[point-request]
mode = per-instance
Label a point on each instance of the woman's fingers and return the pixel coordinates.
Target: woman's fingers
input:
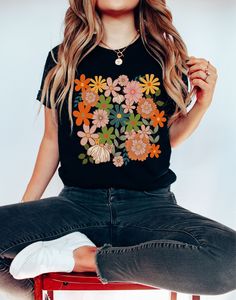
(197, 66)
(197, 74)
(203, 75)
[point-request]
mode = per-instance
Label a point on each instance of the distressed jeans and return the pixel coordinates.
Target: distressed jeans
(143, 237)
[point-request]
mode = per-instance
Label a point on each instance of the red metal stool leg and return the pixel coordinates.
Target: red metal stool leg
(60, 281)
(173, 296)
(38, 291)
(50, 295)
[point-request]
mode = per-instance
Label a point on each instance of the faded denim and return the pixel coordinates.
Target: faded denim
(143, 237)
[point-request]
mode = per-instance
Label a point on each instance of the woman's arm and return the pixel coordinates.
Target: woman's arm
(183, 127)
(46, 162)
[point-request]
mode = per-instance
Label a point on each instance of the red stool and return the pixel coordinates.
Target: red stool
(83, 281)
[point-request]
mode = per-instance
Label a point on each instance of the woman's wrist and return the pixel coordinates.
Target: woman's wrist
(201, 107)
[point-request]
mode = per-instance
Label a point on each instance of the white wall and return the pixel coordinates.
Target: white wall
(205, 163)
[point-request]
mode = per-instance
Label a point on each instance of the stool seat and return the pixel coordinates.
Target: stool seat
(85, 281)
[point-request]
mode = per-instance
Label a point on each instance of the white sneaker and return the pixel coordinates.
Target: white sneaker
(48, 256)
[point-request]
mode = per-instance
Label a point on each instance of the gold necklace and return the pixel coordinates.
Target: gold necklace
(119, 60)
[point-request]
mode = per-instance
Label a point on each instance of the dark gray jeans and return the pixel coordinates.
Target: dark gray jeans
(145, 237)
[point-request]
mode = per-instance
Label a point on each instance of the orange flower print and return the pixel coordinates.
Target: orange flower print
(154, 150)
(133, 91)
(146, 107)
(82, 83)
(150, 84)
(90, 97)
(98, 84)
(82, 115)
(137, 147)
(157, 118)
(105, 140)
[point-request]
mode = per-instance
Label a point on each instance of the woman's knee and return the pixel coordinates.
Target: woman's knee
(222, 262)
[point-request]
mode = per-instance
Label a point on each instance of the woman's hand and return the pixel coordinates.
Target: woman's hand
(204, 84)
(197, 75)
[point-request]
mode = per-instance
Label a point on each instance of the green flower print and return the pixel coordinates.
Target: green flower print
(106, 135)
(124, 123)
(104, 103)
(134, 122)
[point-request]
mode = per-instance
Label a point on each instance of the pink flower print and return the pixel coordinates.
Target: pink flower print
(145, 131)
(88, 135)
(99, 153)
(128, 106)
(146, 107)
(100, 117)
(118, 161)
(133, 91)
(90, 97)
(123, 80)
(118, 99)
(138, 148)
(109, 147)
(111, 87)
(130, 134)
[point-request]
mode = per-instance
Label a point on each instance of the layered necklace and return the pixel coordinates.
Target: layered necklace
(119, 53)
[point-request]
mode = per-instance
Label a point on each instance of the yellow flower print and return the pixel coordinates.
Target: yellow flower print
(135, 140)
(150, 84)
(97, 85)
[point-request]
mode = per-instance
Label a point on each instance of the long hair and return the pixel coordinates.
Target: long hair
(161, 39)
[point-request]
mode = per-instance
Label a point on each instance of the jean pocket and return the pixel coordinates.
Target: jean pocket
(166, 195)
(159, 192)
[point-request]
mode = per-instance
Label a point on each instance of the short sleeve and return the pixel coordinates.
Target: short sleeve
(51, 61)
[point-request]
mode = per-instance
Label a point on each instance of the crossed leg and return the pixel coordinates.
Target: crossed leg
(165, 245)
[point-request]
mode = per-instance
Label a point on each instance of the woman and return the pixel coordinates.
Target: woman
(115, 93)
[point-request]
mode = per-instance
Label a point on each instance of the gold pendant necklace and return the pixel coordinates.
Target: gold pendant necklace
(119, 60)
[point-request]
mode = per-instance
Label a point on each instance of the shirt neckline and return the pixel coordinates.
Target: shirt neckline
(119, 49)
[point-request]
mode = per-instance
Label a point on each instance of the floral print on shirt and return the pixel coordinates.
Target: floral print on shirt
(118, 119)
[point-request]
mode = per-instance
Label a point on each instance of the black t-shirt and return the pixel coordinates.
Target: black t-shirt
(120, 113)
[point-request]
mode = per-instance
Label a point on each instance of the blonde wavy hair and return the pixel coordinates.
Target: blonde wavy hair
(159, 36)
